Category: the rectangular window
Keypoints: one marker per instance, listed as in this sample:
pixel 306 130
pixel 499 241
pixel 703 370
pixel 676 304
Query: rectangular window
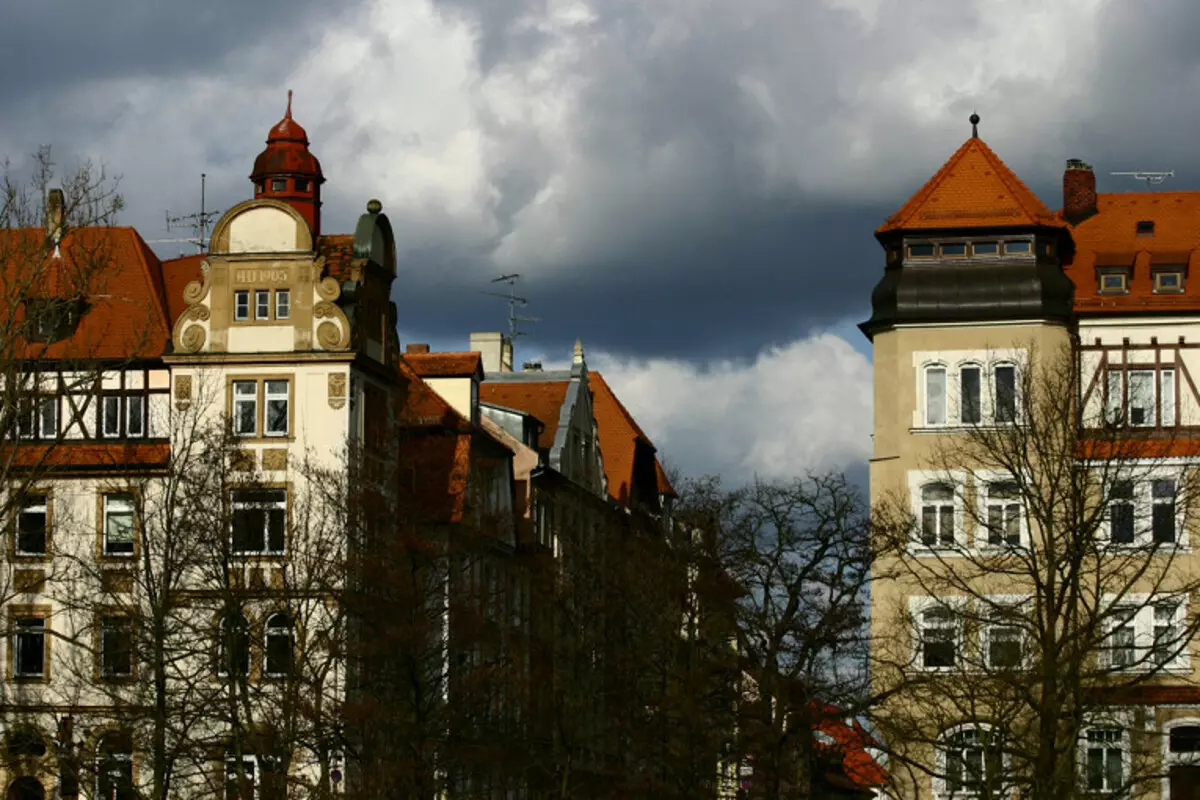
pixel 29 647
pixel 1114 402
pixel 110 416
pixel 1004 647
pixel 1003 514
pixel 48 417
pixel 969 387
pixel 985 248
pixel 277 408
pixel 1141 397
pixel 937 515
pixel 935 396
pixel 259 521
pixel 1120 513
pixel 116 646
pixel 262 304
pixel 283 304
pixel 135 416
pixel 32 519
pixel 243 784
pixel 954 249
pixel 245 408
pixel 938 638
pixel 1162 519
pixel 241 305
pixel 1018 247
pixel 278 184
pixel 920 251
pixel 1113 282
pixel 1006 393
pixel 1166 634
pixel 1121 642
pixel 118 524
pixel 1168 282
pixel 1166 397
pixel 1105 771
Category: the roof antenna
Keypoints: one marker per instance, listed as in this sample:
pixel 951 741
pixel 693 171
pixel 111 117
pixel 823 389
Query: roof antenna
pixel 1151 178
pixel 514 302
pixel 974 120
pixel 199 223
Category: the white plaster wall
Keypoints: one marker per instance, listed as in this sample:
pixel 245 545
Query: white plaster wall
pixel 455 391
pixel 262 230
pixel 261 338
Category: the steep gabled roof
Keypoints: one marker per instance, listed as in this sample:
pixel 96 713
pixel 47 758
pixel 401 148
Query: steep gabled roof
pixel 974 189
pixel 114 274
pixel 542 399
pixel 177 274
pixel 620 437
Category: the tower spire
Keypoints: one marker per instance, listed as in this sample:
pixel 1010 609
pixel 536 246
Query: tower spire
pixel 974 120
pixel 288 114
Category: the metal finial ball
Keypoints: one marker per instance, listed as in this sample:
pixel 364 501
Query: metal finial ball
pixel 974 119
pixel 374 206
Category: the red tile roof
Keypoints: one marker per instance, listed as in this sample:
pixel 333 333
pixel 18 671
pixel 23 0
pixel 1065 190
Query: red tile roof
pixel 974 189
pixel 619 438
pixel 1110 238
pixel 445 365
pixel 542 399
pixel 852 742
pixel 113 271
pixel 67 455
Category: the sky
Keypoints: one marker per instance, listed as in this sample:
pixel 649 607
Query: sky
pixel 688 186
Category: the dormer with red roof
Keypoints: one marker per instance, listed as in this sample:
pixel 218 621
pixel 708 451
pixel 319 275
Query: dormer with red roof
pixel 973 244
pixel 288 171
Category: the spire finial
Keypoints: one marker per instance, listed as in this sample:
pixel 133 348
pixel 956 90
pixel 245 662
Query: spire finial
pixel 578 354
pixel 974 125
pixel 288 114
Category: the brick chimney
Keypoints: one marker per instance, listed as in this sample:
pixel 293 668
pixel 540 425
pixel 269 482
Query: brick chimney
pixel 1079 191
pixel 55 204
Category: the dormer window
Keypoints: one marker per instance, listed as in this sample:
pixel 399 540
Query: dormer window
pixel 920 251
pixel 1113 281
pixel 1168 281
pixel 985 248
pixel 50 320
pixel 1145 227
pixel 954 250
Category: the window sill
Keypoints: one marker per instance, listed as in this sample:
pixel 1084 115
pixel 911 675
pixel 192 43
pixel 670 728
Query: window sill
pixel 29 679
pixel 31 558
pixel 933 430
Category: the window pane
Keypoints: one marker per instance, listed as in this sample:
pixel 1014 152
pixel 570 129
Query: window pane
pixel 1006 394
pixel 946 522
pixel 116 646
pixel 920 251
pixel 31 644
pixel 1141 398
pixel 929 525
pixel 262 304
pixel 249 528
pixel 118 524
pixel 111 412
pixel 1163 522
pixel 1121 522
pixel 136 417
pixel 1114 397
pixel 969 387
pixel 283 304
pixel 1016 247
pixel 986 248
pixel 1095 768
pixel 935 396
pixel 241 305
pixel 48 418
pixel 1185 739
pixel 954 249
pixel 277 417
pixel 1167 396
pixel 31 527
pixel 1004 647
pixel 276 523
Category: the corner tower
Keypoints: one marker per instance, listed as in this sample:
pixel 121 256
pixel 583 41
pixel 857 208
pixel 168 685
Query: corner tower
pixel 286 170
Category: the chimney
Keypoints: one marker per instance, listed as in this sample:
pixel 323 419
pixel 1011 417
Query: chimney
pixel 1079 191
pixel 54 216
pixel 417 348
pixel 496 350
pixel 531 366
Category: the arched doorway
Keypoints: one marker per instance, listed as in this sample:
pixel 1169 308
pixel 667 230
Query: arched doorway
pixel 26 788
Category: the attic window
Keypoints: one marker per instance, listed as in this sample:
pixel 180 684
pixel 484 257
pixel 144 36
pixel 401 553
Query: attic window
pixel 1017 247
pixel 1113 281
pixel 953 249
pixel 1145 227
pixel 1168 281
pixel 985 248
pixel 920 251
pixel 50 320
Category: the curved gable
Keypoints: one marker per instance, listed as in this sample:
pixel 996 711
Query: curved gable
pixel 373 239
pixel 262 226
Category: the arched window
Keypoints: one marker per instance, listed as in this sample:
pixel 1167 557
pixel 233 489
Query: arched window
pixel 234 645
pixel 971 761
pixel 114 767
pixel 279 650
pixel 935 395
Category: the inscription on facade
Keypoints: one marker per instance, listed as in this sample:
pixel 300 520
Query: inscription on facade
pixel 260 276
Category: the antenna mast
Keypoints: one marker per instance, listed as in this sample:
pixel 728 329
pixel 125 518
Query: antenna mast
pixel 1151 178
pixel 199 222
pixel 514 302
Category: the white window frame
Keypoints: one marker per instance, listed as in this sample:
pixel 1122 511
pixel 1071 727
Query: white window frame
pixel 1143 511
pixel 918 607
pixel 926 405
pixel 981 379
pixel 1170 758
pixel 277 505
pixel 953 363
pixel 1083 746
pixel 231 772
pixel 106 418
pixel 242 399
pixel 283 304
pixel 135 402
pixel 918 480
pixel 241 305
pixel 1143 624
pixel 1117 408
pixel 111 502
pixel 35 504
pixel 982 481
pixel 273 395
pixel 262 304
pixel 940 789
pixel 994 619
pixel 994 398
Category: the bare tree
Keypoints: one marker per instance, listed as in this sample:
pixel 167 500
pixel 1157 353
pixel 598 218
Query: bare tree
pixel 1042 580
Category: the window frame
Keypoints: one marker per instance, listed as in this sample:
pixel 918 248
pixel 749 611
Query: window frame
pixel 926 370
pixel 283 310
pixel 1085 746
pixel 106 625
pixel 1142 624
pixel 17 616
pixel 24 504
pixel 241 305
pixel 1177 272
pixel 237 504
pixel 1164 407
pixel 1142 502
pixel 1105 273
pixel 242 399
pixel 957 481
pixel 104 759
pixel 941 787
pixel 982 482
pixel 270 397
pixel 262 304
pixel 963 368
pixel 225 636
pixel 274 629
pixel 109 497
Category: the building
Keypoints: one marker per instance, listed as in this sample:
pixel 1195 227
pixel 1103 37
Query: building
pixel 987 299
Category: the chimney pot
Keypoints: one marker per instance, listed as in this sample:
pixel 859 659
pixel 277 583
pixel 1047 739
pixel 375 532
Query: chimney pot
pixel 1079 191
pixel 417 348
pixel 55 203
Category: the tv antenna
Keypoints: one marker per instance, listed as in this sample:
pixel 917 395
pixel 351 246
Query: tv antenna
pixel 514 302
pixel 1152 178
pixel 198 222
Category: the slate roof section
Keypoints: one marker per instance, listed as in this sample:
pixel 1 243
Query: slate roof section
pixel 973 189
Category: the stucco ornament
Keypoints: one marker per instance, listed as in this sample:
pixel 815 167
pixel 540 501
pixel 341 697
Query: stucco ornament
pixel 188 335
pixel 183 391
pixel 337 390
pixel 333 328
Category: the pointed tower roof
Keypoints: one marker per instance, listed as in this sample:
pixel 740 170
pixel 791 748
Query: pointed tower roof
pixel 974 189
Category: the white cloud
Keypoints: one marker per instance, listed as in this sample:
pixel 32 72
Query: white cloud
pixel 805 406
